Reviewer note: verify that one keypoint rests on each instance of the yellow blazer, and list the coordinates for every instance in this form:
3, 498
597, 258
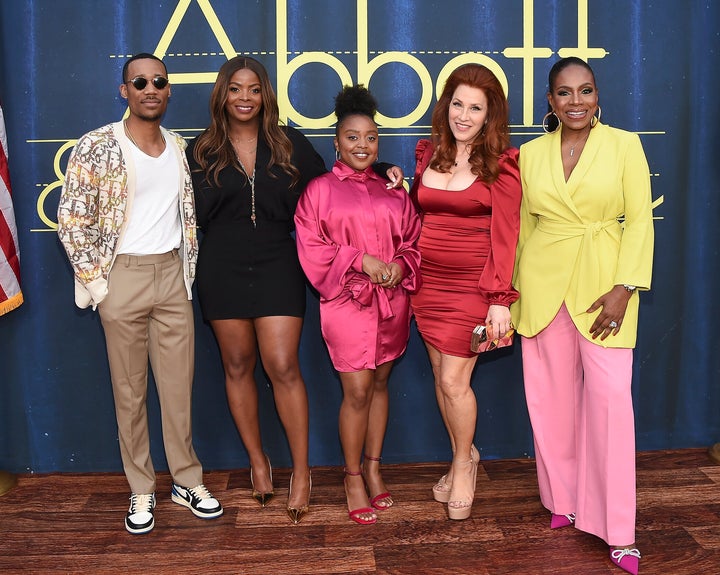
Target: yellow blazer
581, 237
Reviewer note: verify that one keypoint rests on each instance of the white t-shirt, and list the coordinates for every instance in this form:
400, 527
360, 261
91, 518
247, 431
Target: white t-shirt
154, 226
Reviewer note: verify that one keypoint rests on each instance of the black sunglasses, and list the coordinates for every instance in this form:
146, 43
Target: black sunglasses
158, 81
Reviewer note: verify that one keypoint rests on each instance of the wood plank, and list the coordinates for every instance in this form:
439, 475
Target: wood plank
73, 523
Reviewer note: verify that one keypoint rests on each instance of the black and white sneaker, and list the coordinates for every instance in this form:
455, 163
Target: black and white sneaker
198, 499
139, 518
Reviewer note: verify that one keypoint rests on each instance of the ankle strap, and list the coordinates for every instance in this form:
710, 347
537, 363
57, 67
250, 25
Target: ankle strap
351, 473
372, 458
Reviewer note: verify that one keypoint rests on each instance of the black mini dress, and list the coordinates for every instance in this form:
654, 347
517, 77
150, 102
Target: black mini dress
247, 271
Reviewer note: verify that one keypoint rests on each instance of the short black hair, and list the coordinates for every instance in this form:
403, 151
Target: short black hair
140, 56
352, 101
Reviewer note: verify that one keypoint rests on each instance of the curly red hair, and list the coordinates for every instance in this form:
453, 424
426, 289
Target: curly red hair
494, 138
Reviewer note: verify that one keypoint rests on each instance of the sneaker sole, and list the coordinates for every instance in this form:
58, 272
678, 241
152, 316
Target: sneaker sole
201, 514
140, 530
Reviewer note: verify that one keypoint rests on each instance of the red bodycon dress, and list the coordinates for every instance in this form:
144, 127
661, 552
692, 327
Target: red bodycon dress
467, 245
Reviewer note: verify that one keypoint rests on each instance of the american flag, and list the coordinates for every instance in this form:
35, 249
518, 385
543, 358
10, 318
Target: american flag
10, 293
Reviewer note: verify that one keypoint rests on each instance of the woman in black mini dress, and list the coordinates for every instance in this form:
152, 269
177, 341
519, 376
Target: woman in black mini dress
248, 174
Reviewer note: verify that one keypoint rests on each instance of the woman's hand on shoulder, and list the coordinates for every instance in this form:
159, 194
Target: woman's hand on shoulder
395, 175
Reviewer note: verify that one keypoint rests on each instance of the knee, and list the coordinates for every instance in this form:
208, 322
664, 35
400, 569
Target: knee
453, 388
239, 367
380, 385
358, 398
284, 372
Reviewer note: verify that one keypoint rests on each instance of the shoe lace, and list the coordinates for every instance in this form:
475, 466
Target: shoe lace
141, 502
200, 491
618, 554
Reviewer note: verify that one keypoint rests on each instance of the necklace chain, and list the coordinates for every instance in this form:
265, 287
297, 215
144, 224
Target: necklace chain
578, 141
468, 150
129, 135
251, 180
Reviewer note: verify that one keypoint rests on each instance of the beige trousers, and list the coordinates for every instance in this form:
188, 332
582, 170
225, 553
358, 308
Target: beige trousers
147, 314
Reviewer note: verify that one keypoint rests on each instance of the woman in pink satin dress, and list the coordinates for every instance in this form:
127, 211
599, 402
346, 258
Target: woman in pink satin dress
357, 245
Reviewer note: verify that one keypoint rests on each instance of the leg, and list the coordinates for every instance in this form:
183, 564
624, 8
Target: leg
236, 339
441, 490
435, 358
172, 357
461, 416
552, 369
358, 390
375, 436
279, 340
606, 455
124, 314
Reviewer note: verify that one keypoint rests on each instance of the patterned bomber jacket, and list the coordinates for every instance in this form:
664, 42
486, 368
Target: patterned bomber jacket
96, 197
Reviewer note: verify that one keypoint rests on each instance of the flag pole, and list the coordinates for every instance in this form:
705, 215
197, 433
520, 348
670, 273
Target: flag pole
7, 482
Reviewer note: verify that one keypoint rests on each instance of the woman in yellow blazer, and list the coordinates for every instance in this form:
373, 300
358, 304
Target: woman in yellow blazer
585, 250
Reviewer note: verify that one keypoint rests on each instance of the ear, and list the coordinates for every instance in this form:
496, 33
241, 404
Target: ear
335, 143
549, 99
123, 91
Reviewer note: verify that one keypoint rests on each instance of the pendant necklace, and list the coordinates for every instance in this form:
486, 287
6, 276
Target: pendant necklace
468, 150
251, 179
581, 140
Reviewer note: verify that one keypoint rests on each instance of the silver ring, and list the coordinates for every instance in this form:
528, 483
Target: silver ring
612, 324
384, 277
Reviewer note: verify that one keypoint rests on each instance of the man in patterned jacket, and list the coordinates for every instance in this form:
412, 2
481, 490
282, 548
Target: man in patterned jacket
127, 222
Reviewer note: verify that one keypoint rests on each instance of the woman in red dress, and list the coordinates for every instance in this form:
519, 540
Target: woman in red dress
467, 188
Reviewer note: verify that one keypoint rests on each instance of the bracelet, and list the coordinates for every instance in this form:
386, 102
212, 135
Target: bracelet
629, 288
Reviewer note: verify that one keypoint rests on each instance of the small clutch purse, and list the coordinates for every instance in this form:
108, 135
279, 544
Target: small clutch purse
479, 341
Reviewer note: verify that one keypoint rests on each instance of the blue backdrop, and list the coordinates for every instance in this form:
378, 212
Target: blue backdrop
656, 65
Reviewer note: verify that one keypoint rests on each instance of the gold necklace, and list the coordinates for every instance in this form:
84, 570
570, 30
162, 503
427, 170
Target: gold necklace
251, 180
129, 135
237, 142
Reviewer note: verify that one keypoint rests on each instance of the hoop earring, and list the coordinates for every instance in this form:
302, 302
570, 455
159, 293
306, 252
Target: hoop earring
544, 122
594, 120
337, 154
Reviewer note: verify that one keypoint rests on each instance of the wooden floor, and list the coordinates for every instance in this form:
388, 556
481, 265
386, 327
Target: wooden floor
74, 524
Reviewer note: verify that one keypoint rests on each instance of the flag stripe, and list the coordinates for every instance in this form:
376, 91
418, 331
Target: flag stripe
10, 293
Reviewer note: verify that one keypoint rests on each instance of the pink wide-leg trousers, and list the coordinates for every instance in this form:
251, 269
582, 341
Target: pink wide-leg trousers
580, 405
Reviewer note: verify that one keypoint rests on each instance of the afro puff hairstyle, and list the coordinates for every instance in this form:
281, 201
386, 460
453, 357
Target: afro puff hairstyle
354, 100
